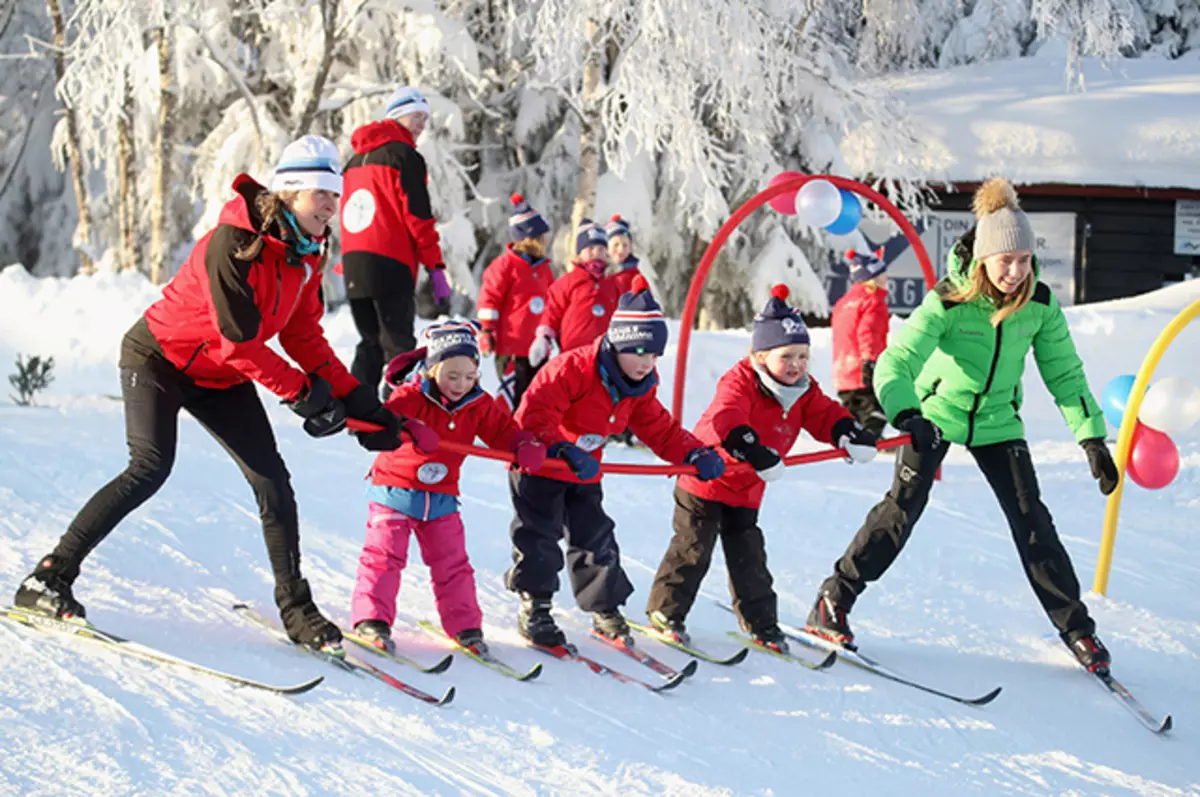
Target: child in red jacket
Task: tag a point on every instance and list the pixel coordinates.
(580, 302)
(414, 488)
(512, 299)
(573, 403)
(620, 253)
(860, 330)
(761, 405)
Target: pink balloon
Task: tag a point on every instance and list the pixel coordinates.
(1153, 460)
(785, 203)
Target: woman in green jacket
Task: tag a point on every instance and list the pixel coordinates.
(953, 375)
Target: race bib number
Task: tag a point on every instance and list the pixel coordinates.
(432, 472)
(598, 310)
(590, 442)
(536, 305)
(359, 211)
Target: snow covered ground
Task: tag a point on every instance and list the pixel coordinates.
(955, 610)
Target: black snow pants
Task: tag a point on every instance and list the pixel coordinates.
(523, 374)
(698, 523)
(1009, 471)
(385, 329)
(544, 508)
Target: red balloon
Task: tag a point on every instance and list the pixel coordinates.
(1153, 458)
(785, 203)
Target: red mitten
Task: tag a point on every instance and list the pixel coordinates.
(424, 439)
(531, 454)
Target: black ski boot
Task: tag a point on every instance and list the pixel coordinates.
(829, 621)
(377, 632)
(472, 639)
(303, 621)
(669, 628)
(771, 637)
(610, 624)
(535, 623)
(47, 590)
(1089, 650)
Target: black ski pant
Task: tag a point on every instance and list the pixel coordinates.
(545, 508)
(154, 392)
(864, 406)
(385, 329)
(1008, 469)
(523, 374)
(698, 523)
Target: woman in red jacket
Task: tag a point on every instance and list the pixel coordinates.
(761, 405)
(202, 348)
(860, 331)
(580, 302)
(512, 299)
(574, 403)
(414, 488)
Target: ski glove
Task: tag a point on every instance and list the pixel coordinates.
(581, 463)
(859, 444)
(323, 414)
(1104, 470)
(362, 404)
(926, 436)
(441, 287)
(742, 444)
(868, 373)
(487, 342)
(707, 461)
(539, 352)
(530, 453)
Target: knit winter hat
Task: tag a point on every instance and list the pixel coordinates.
(311, 162)
(638, 326)
(618, 226)
(588, 234)
(1002, 226)
(778, 324)
(525, 222)
(865, 265)
(405, 100)
(451, 339)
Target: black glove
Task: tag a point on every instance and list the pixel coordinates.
(850, 435)
(742, 444)
(581, 463)
(323, 414)
(868, 373)
(1104, 470)
(362, 404)
(926, 436)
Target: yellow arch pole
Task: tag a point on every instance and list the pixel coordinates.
(1125, 437)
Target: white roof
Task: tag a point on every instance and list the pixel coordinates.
(1136, 123)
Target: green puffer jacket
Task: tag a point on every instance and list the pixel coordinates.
(963, 374)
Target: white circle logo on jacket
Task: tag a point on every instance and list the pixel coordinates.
(536, 305)
(590, 442)
(598, 310)
(359, 211)
(432, 472)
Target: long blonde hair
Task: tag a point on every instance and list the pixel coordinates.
(270, 206)
(533, 247)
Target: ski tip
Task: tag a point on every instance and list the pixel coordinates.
(828, 661)
(690, 669)
(988, 698)
(672, 682)
(239, 607)
(300, 689)
(1166, 725)
(447, 698)
(736, 658)
(441, 666)
(533, 673)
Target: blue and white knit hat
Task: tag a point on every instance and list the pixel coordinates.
(405, 100)
(311, 162)
(638, 326)
(865, 265)
(778, 324)
(589, 234)
(451, 339)
(618, 226)
(525, 222)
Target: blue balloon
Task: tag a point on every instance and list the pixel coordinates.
(1115, 397)
(847, 221)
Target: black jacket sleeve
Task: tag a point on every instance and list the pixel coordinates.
(238, 316)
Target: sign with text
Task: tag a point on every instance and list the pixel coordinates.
(1187, 227)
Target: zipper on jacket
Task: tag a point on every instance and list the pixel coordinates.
(1083, 404)
(932, 389)
(278, 289)
(987, 385)
(192, 359)
(1016, 405)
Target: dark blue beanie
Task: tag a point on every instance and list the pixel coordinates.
(588, 234)
(865, 265)
(778, 324)
(525, 222)
(618, 226)
(638, 326)
(451, 339)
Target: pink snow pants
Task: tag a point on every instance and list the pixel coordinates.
(385, 553)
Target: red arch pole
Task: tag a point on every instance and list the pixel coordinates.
(692, 304)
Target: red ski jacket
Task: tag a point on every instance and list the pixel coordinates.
(512, 301)
(624, 277)
(743, 399)
(579, 307)
(218, 312)
(476, 415)
(860, 331)
(572, 399)
(387, 221)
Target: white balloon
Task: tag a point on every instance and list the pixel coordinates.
(819, 203)
(1171, 405)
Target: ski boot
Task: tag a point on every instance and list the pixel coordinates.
(47, 590)
(472, 639)
(610, 625)
(671, 629)
(377, 632)
(828, 621)
(535, 623)
(1089, 651)
(303, 621)
(771, 638)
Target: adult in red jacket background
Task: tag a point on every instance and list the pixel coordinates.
(202, 348)
(512, 299)
(860, 331)
(387, 232)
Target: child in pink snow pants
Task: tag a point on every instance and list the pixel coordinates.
(414, 488)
